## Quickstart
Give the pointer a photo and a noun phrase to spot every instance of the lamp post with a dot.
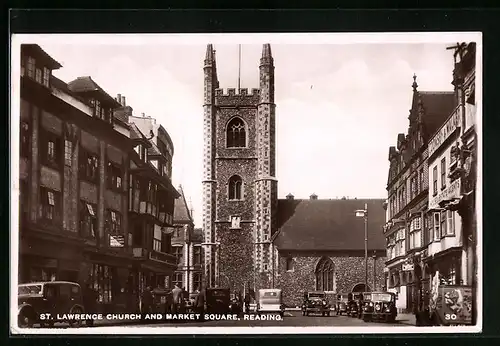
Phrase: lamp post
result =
(374, 268)
(364, 214)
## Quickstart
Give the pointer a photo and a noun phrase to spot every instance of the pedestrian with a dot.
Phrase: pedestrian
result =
(247, 302)
(199, 303)
(176, 299)
(90, 302)
(147, 301)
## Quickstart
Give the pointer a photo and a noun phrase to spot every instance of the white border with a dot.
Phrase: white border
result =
(192, 39)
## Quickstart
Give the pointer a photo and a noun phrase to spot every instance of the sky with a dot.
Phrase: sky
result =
(339, 104)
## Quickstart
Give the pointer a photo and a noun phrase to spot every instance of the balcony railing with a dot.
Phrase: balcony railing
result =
(162, 257)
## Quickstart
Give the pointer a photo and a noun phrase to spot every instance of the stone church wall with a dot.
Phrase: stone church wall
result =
(349, 271)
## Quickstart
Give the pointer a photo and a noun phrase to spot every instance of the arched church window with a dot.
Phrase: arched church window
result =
(236, 134)
(235, 188)
(324, 275)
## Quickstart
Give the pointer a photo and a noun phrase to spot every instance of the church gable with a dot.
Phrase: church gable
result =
(329, 225)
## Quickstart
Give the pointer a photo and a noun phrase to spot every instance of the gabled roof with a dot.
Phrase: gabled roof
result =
(136, 134)
(181, 209)
(437, 107)
(35, 49)
(86, 84)
(329, 225)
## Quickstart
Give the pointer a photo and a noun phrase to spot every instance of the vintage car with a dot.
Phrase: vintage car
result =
(217, 300)
(341, 304)
(270, 301)
(315, 302)
(162, 300)
(379, 306)
(354, 304)
(236, 304)
(189, 302)
(53, 297)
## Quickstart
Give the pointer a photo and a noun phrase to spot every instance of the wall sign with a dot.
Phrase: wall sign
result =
(449, 127)
(450, 192)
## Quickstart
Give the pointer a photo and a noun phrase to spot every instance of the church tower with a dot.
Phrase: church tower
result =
(239, 185)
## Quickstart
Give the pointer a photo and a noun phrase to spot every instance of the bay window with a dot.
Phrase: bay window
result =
(437, 226)
(450, 230)
(443, 220)
(89, 166)
(197, 255)
(114, 177)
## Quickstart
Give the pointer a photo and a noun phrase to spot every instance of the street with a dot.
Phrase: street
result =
(291, 319)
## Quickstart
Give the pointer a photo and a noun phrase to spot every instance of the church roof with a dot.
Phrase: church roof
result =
(181, 209)
(329, 224)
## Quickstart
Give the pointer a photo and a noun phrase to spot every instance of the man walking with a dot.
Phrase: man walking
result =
(199, 303)
(147, 301)
(176, 299)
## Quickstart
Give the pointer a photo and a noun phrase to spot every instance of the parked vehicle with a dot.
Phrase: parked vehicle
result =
(354, 304)
(270, 300)
(379, 306)
(189, 302)
(315, 302)
(217, 300)
(52, 297)
(236, 304)
(341, 304)
(162, 300)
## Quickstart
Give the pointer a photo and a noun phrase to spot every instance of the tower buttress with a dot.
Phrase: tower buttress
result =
(209, 183)
(266, 183)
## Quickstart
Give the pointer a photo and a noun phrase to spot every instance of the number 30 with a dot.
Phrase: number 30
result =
(450, 317)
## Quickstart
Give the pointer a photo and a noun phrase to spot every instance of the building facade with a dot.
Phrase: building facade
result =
(251, 240)
(76, 164)
(186, 243)
(407, 202)
(451, 257)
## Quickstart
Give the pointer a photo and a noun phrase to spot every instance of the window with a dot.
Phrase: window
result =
(151, 192)
(68, 151)
(443, 221)
(451, 223)
(436, 226)
(421, 180)
(89, 166)
(197, 281)
(31, 67)
(177, 281)
(443, 173)
(38, 75)
(434, 181)
(88, 221)
(400, 244)
(50, 205)
(197, 255)
(235, 188)
(114, 177)
(289, 264)
(97, 108)
(25, 139)
(391, 247)
(101, 278)
(415, 233)
(157, 240)
(178, 254)
(46, 77)
(236, 136)
(324, 275)
(113, 222)
(403, 193)
(51, 152)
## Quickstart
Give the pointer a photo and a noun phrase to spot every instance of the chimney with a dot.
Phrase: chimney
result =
(143, 115)
(289, 197)
(123, 101)
(119, 98)
(313, 196)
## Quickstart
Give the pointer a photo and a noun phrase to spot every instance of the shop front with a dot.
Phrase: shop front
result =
(46, 259)
(108, 275)
(447, 263)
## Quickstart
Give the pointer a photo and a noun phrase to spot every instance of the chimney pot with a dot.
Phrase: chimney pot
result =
(119, 98)
(290, 196)
(123, 101)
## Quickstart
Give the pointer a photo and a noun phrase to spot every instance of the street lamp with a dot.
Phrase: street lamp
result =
(364, 214)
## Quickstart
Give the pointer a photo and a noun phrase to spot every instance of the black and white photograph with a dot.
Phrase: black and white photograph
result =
(229, 183)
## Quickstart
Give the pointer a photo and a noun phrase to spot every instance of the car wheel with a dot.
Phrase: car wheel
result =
(328, 314)
(26, 319)
(323, 314)
(303, 313)
(76, 323)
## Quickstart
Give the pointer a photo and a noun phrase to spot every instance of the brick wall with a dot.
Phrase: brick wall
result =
(349, 271)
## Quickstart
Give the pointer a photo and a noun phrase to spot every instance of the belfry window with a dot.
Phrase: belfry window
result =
(324, 275)
(236, 135)
(235, 188)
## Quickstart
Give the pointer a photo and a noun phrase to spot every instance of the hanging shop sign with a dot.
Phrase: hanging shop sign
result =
(116, 241)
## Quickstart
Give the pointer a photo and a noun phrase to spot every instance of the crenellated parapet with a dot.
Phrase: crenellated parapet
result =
(234, 97)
